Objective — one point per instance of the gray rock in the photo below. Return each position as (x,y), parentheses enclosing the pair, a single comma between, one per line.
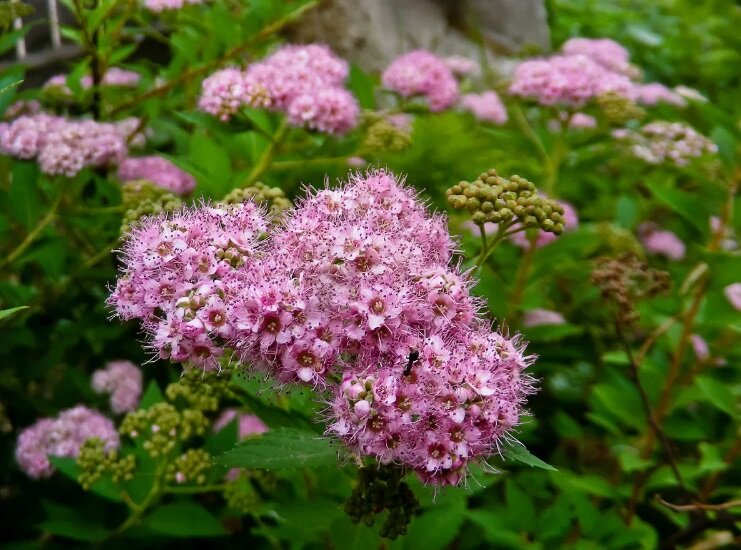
(373,32)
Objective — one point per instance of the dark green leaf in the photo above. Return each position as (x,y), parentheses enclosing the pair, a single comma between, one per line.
(184,519)
(521,454)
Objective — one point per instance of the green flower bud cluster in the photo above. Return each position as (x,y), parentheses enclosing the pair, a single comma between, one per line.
(94,462)
(143,198)
(380,489)
(618,109)
(240,495)
(273,197)
(615,240)
(201,391)
(380,134)
(10,11)
(492,198)
(162,427)
(626,280)
(190,467)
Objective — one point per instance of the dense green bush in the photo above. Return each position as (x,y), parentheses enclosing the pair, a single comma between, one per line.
(633,435)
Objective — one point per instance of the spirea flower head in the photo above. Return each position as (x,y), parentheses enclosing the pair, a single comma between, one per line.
(362,267)
(604,51)
(22,107)
(660,241)
(304,82)
(422,73)
(158,170)
(62,436)
(486,106)
(123,381)
(177,267)
(452,407)
(567,80)
(655,93)
(113,77)
(666,142)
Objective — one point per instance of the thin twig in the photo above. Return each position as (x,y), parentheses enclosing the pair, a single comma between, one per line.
(699,506)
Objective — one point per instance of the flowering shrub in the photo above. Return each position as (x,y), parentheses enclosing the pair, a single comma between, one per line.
(254,294)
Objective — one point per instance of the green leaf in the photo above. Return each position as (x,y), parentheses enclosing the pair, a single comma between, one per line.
(719,394)
(692,208)
(152,396)
(104,487)
(436,528)
(75,529)
(361,85)
(8,312)
(520,507)
(552,333)
(521,454)
(26,202)
(184,519)
(282,449)
(627,212)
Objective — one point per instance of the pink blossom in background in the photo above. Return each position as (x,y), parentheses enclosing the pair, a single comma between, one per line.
(158,6)
(422,73)
(115,76)
(604,51)
(158,170)
(567,80)
(655,93)
(486,106)
(700,346)
(665,142)
(538,317)
(402,121)
(304,82)
(62,436)
(571,222)
(728,238)
(356,162)
(249,424)
(577,121)
(690,94)
(490,228)
(660,241)
(462,66)
(733,293)
(64,146)
(123,381)
(22,107)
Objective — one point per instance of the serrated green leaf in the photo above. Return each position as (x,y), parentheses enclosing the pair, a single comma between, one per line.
(152,396)
(282,449)
(521,454)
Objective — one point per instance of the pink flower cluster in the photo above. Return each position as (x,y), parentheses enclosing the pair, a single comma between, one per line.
(486,106)
(159,171)
(62,146)
(22,107)
(542,238)
(62,436)
(179,268)
(567,80)
(304,82)
(158,6)
(666,142)
(356,284)
(422,73)
(577,121)
(655,93)
(123,381)
(660,241)
(115,77)
(606,52)
(462,66)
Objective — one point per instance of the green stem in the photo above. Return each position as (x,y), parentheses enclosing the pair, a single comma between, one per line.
(152,498)
(502,234)
(523,272)
(300,163)
(35,232)
(266,159)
